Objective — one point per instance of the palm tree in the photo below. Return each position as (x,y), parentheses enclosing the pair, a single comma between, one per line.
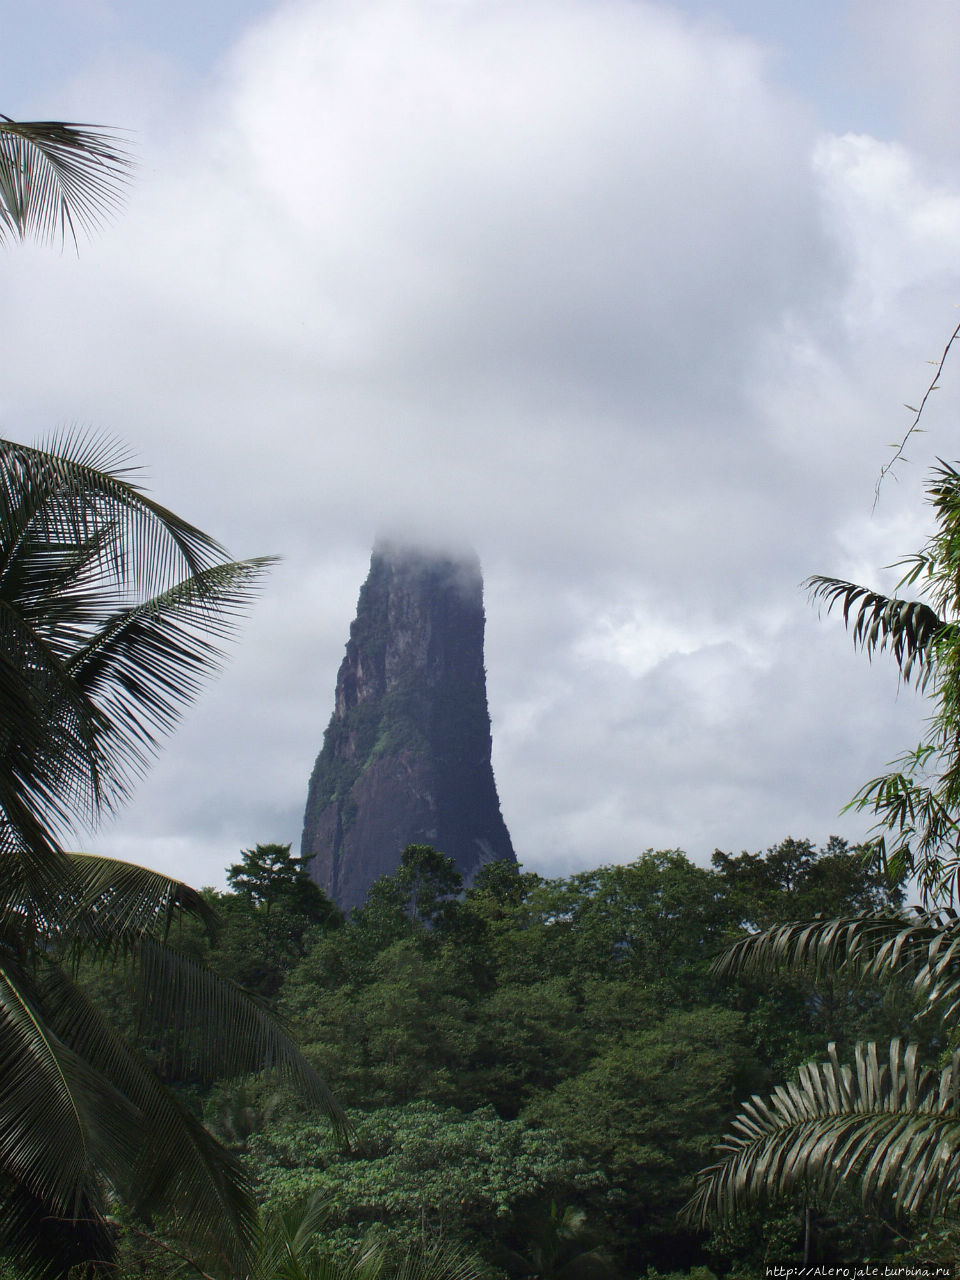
(112,611)
(57,177)
(885,1123)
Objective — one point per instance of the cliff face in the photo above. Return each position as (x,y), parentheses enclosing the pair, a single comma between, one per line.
(406,756)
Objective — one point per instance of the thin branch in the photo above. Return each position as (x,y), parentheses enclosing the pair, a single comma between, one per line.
(918,414)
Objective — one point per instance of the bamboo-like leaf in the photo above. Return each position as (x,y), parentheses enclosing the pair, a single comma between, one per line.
(908,628)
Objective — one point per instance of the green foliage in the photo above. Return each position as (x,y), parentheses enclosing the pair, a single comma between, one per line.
(793,880)
(586,1005)
(270,873)
(112,611)
(555,1243)
(884,1124)
(294,1248)
(648,1108)
(418,1171)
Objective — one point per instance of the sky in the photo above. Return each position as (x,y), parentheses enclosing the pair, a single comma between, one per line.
(630,297)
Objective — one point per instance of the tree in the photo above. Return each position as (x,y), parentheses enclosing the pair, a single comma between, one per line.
(57,177)
(646,1110)
(270,874)
(112,612)
(886,1121)
(418,1173)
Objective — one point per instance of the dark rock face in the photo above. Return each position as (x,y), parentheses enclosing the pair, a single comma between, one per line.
(406,756)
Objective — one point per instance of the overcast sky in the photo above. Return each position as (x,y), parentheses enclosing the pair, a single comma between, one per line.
(627,296)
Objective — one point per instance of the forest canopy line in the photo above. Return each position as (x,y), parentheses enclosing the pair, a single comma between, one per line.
(531,1043)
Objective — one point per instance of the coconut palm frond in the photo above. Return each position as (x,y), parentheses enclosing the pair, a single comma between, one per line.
(112,610)
(117,904)
(174,1160)
(146,662)
(58,178)
(175,995)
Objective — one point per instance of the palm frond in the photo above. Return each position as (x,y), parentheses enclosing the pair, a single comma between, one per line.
(238,1033)
(910,629)
(112,609)
(44,1246)
(922,948)
(118,904)
(177,1164)
(146,662)
(56,178)
(889,1125)
(78,493)
(820,947)
(292,1249)
(60,1118)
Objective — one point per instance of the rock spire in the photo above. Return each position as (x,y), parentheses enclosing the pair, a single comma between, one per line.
(406,756)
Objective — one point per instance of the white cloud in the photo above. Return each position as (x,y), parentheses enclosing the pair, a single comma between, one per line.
(570,282)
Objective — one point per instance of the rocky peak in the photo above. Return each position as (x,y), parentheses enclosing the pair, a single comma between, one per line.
(406,756)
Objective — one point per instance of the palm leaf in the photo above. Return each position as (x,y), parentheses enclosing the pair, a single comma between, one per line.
(60,1118)
(144,663)
(77,494)
(923,948)
(181,1002)
(292,1249)
(44,1246)
(57,177)
(177,1164)
(890,1125)
(117,903)
(111,610)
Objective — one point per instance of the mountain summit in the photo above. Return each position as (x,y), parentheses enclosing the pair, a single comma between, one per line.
(406,756)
